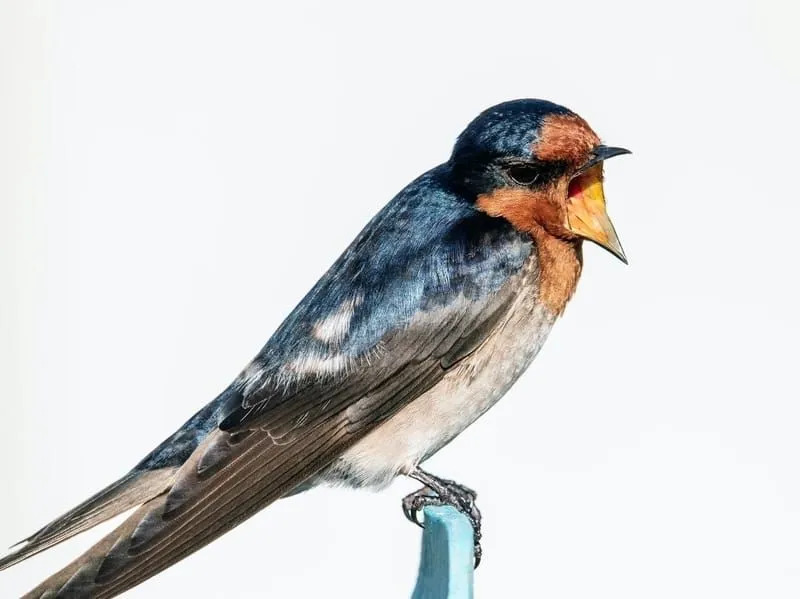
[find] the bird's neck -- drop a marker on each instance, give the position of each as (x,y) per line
(560,263)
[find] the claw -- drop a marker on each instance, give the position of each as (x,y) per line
(412,505)
(440,491)
(413,515)
(478,552)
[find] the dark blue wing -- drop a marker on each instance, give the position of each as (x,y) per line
(427,251)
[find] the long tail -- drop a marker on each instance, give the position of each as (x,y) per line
(229,478)
(151,477)
(130,491)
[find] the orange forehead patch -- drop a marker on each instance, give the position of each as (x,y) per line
(565,137)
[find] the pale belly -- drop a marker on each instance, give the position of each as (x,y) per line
(432,420)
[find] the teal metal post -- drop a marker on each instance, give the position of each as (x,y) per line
(446,562)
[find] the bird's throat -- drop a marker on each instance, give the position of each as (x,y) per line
(560,263)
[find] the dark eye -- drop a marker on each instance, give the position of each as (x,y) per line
(523,174)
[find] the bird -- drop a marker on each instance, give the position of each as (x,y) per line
(424,322)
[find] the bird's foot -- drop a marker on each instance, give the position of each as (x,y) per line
(440,491)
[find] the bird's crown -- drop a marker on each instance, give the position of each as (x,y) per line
(526,129)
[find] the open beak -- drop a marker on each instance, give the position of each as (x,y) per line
(586,204)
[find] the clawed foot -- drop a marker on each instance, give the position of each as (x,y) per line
(440,491)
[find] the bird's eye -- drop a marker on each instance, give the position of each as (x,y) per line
(522,174)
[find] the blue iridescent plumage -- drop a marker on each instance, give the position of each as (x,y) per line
(424,248)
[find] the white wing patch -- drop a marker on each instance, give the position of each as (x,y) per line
(252,378)
(319,365)
(334,327)
(331,330)
(255,377)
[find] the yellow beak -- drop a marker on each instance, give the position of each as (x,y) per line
(586,211)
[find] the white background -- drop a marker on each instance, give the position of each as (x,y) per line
(174,176)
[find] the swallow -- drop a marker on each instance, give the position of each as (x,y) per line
(422,324)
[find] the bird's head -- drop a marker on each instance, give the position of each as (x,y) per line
(540,166)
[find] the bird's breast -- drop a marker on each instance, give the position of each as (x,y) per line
(467,391)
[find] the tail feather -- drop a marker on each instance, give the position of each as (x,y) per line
(228,479)
(132,490)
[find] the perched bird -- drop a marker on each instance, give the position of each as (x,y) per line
(424,322)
